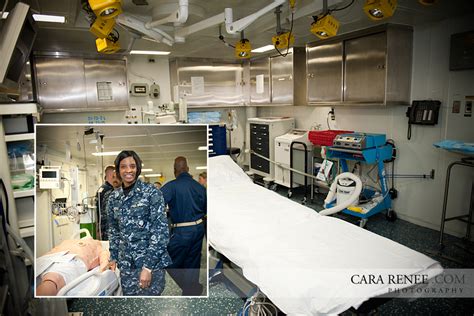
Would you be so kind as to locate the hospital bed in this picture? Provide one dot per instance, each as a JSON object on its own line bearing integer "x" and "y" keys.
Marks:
{"x": 92, "y": 283}
{"x": 305, "y": 263}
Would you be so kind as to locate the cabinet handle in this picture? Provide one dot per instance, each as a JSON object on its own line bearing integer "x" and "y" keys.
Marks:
{"x": 311, "y": 75}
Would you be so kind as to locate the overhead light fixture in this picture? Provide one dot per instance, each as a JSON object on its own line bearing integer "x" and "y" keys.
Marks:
{"x": 43, "y": 18}
{"x": 380, "y": 9}
{"x": 148, "y": 52}
{"x": 325, "y": 26}
{"x": 106, "y": 9}
{"x": 202, "y": 148}
{"x": 153, "y": 175}
{"x": 49, "y": 18}
{"x": 263, "y": 49}
{"x": 147, "y": 170}
{"x": 107, "y": 153}
{"x": 282, "y": 41}
{"x": 243, "y": 49}
{"x": 201, "y": 168}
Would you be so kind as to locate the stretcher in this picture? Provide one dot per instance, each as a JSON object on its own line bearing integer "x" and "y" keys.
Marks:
{"x": 305, "y": 263}
{"x": 92, "y": 283}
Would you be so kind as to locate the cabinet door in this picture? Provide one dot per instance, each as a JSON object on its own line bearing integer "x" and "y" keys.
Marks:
{"x": 365, "y": 73}
{"x": 61, "y": 83}
{"x": 324, "y": 66}
{"x": 282, "y": 79}
{"x": 106, "y": 84}
{"x": 260, "y": 81}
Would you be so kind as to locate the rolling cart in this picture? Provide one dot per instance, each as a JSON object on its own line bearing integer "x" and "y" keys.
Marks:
{"x": 369, "y": 149}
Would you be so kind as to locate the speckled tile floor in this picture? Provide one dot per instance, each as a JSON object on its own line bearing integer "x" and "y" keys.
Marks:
{"x": 222, "y": 301}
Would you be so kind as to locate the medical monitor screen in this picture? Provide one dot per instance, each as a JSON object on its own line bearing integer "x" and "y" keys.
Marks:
{"x": 49, "y": 174}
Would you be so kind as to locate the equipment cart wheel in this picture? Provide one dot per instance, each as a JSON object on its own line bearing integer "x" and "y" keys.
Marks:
{"x": 274, "y": 187}
{"x": 391, "y": 215}
{"x": 362, "y": 222}
{"x": 289, "y": 194}
{"x": 304, "y": 201}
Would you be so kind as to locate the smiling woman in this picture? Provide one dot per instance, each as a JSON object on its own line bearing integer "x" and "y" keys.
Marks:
{"x": 138, "y": 230}
{"x": 133, "y": 213}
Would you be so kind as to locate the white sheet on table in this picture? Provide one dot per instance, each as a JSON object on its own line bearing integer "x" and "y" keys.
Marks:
{"x": 301, "y": 260}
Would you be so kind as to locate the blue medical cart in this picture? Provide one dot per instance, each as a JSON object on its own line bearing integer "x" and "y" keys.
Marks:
{"x": 374, "y": 151}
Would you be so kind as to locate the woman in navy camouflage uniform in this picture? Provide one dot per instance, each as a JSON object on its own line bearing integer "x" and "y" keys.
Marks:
{"x": 138, "y": 230}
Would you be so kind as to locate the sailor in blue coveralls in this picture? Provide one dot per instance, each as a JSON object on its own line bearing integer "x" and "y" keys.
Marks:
{"x": 138, "y": 230}
{"x": 187, "y": 203}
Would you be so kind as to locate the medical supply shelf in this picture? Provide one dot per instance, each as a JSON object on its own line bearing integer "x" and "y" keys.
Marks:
{"x": 19, "y": 137}
{"x": 23, "y": 193}
{"x": 21, "y": 202}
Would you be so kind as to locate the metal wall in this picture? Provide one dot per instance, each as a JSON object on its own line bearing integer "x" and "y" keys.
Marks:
{"x": 77, "y": 84}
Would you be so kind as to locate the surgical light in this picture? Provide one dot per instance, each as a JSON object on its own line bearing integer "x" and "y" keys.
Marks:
{"x": 380, "y": 9}
{"x": 106, "y": 9}
{"x": 325, "y": 26}
{"x": 102, "y": 28}
{"x": 282, "y": 41}
{"x": 243, "y": 49}
{"x": 106, "y": 46}
{"x": 263, "y": 49}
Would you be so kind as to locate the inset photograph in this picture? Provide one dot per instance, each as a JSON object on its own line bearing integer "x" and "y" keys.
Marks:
{"x": 121, "y": 210}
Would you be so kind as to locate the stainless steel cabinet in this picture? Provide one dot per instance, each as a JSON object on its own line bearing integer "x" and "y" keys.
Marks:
{"x": 207, "y": 82}
{"x": 77, "y": 84}
{"x": 367, "y": 67}
{"x": 364, "y": 68}
{"x": 105, "y": 84}
{"x": 60, "y": 83}
{"x": 325, "y": 72}
{"x": 260, "y": 81}
{"x": 282, "y": 79}
{"x": 287, "y": 79}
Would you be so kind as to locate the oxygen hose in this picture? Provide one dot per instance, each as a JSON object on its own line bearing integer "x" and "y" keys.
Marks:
{"x": 332, "y": 193}
{"x": 332, "y": 190}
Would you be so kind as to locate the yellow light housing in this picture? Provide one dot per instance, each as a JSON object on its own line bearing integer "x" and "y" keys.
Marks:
{"x": 242, "y": 49}
{"x": 380, "y": 9}
{"x": 325, "y": 27}
{"x": 280, "y": 41}
{"x": 102, "y": 28}
{"x": 106, "y": 46}
{"x": 106, "y": 9}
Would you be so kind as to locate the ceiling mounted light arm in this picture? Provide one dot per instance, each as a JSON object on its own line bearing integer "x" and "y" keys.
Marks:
{"x": 237, "y": 26}
{"x": 131, "y": 22}
{"x": 178, "y": 17}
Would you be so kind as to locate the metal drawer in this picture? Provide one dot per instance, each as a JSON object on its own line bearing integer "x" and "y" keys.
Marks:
{"x": 259, "y": 164}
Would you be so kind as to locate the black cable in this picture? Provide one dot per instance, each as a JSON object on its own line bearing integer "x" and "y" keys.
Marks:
{"x": 289, "y": 39}
{"x": 221, "y": 37}
{"x": 343, "y": 8}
